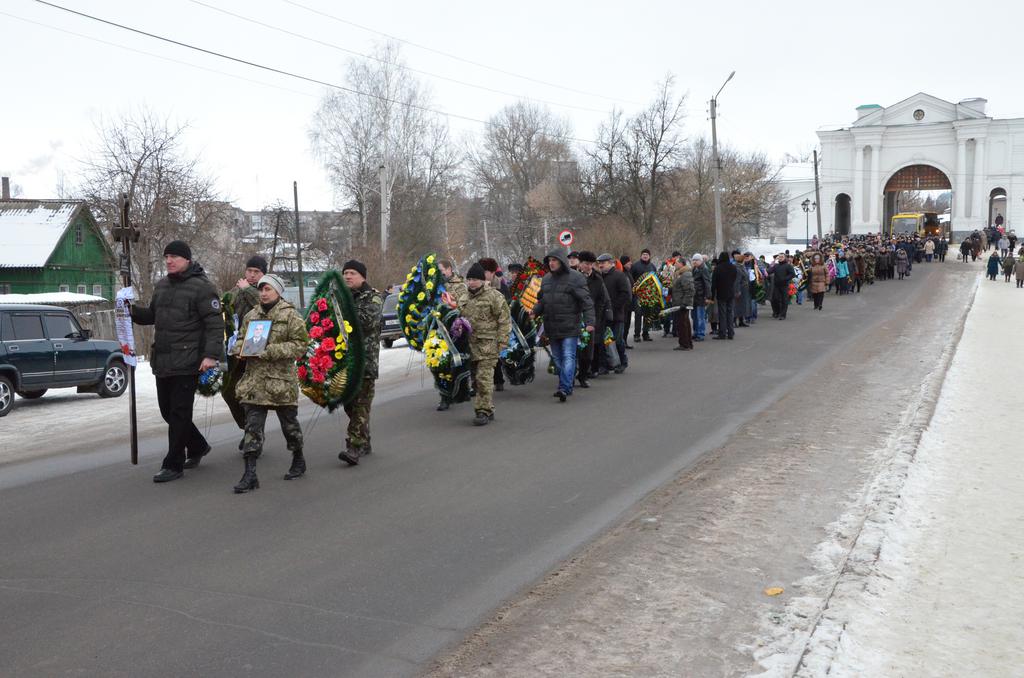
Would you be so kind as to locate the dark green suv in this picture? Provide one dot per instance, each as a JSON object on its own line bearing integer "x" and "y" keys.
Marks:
{"x": 44, "y": 347}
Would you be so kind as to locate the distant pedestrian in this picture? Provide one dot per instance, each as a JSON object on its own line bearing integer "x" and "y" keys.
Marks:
{"x": 902, "y": 263}
{"x": 682, "y": 296}
{"x": 723, "y": 292}
{"x": 992, "y": 268}
{"x": 488, "y": 314}
{"x": 369, "y": 306}
{"x": 1018, "y": 270}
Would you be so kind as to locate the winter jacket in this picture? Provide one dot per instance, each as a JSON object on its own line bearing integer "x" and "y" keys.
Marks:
{"x": 270, "y": 380}
{"x": 842, "y": 268}
{"x": 620, "y": 291}
{"x": 742, "y": 294}
{"x": 488, "y": 314}
{"x": 683, "y": 287}
{"x": 723, "y": 282}
{"x": 701, "y": 285}
{"x": 456, "y": 287}
{"x": 185, "y": 310}
{"x": 817, "y": 278}
{"x": 639, "y": 268}
{"x": 1008, "y": 264}
{"x": 1018, "y": 269}
{"x": 599, "y": 295}
{"x": 784, "y": 274}
{"x": 564, "y": 300}
{"x": 902, "y": 261}
{"x": 369, "y": 307}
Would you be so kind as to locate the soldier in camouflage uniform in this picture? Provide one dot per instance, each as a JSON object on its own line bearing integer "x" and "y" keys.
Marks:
{"x": 869, "y": 265}
{"x": 270, "y": 381}
{"x": 488, "y": 313}
{"x": 242, "y": 299}
{"x": 369, "y": 304}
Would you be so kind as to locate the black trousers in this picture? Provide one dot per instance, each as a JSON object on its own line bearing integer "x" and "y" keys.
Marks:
{"x": 176, "y": 396}
{"x": 818, "y": 297}
{"x": 725, "y": 317}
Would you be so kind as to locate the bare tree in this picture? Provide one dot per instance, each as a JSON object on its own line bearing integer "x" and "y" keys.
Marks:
{"x": 142, "y": 154}
{"x": 386, "y": 128}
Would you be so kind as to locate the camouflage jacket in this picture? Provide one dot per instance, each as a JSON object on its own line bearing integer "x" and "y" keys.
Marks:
{"x": 487, "y": 311}
{"x": 242, "y": 301}
{"x": 369, "y": 305}
{"x": 457, "y": 288}
{"x": 270, "y": 379}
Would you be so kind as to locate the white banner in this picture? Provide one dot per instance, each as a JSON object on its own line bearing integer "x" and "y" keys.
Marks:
{"x": 123, "y": 324}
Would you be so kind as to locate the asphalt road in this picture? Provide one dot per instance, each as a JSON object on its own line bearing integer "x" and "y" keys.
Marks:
{"x": 372, "y": 571}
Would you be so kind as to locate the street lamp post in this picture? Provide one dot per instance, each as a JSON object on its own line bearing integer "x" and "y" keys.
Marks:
{"x": 808, "y": 208}
{"x": 719, "y": 244}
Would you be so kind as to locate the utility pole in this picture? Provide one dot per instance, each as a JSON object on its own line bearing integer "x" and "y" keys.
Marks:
{"x": 298, "y": 249}
{"x": 546, "y": 241}
{"x": 817, "y": 193}
{"x": 487, "y": 241}
{"x": 385, "y": 208}
{"x": 126, "y": 233}
{"x": 716, "y": 168}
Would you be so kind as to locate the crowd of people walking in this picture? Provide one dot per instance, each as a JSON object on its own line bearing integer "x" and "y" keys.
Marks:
{"x": 586, "y": 310}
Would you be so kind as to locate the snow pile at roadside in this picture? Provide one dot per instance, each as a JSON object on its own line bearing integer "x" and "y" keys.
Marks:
{"x": 922, "y": 575}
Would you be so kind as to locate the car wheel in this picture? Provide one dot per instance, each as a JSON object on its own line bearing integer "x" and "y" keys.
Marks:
{"x": 388, "y": 343}
{"x": 115, "y": 380}
{"x": 6, "y": 396}
{"x": 32, "y": 395}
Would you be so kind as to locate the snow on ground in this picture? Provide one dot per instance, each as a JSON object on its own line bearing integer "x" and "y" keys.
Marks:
{"x": 60, "y": 420}
{"x": 934, "y": 584}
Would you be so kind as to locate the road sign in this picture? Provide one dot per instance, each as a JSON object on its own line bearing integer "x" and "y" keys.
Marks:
{"x": 565, "y": 237}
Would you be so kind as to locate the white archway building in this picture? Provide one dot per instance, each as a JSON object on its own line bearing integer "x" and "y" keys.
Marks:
{"x": 977, "y": 155}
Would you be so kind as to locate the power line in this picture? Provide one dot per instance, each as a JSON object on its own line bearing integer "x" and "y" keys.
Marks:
{"x": 157, "y": 56}
{"x": 454, "y": 56}
{"x": 289, "y": 74}
{"x": 324, "y": 43}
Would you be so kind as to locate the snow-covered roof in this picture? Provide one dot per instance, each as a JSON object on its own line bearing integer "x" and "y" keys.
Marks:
{"x": 51, "y": 299}
{"x": 31, "y": 229}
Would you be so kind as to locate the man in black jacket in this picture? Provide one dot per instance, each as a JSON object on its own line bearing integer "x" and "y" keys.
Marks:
{"x": 620, "y": 292}
{"x": 783, "y": 274}
{"x": 565, "y": 303}
{"x": 723, "y": 291}
{"x": 590, "y": 357}
{"x": 189, "y": 340}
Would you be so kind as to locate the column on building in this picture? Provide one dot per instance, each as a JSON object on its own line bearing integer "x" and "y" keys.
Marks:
{"x": 874, "y": 189}
{"x": 858, "y": 183}
{"x": 960, "y": 193}
{"x": 980, "y": 199}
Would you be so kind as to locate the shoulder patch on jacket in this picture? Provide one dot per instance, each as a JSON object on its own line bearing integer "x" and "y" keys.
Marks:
{"x": 215, "y": 303}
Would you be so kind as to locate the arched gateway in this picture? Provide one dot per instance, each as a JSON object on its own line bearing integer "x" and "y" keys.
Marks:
{"x": 922, "y": 143}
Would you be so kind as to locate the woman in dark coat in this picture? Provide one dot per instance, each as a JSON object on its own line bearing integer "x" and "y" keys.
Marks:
{"x": 993, "y": 265}
{"x": 902, "y": 262}
{"x": 723, "y": 292}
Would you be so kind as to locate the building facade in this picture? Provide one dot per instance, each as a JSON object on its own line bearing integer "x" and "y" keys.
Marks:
{"x": 922, "y": 143}
{"x": 53, "y": 246}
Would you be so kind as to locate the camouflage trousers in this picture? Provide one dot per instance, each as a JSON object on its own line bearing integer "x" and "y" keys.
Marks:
{"x": 358, "y": 412}
{"x": 483, "y": 383}
{"x": 256, "y": 421}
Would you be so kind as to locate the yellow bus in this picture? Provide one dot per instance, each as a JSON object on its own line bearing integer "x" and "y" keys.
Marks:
{"x": 924, "y": 224}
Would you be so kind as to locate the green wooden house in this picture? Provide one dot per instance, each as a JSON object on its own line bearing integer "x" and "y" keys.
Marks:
{"x": 53, "y": 246}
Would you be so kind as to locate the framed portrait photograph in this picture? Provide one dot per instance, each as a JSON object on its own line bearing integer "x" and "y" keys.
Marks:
{"x": 256, "y": 337}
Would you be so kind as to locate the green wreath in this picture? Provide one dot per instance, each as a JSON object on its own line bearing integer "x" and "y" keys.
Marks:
{"x": 331, "y": 372}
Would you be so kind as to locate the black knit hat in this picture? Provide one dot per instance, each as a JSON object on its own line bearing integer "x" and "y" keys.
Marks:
{"x": 357, "y": 266}
{"x": 178, "y": 248}
{"x": 573, "y": 255}
{"x": 257, "y": 262}
{"x": 476, "y": 272}
{"x": 587, "y": 255}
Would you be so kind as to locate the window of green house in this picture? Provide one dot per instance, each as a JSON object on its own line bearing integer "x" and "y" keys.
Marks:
{"x": 79, "y": 235}
{"x": 97, "y": 290}
{"x": 64, "y": 288}
{"x": 81, "y": 289}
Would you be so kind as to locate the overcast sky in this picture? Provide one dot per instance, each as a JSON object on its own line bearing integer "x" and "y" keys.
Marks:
{"x": 799, "y": 66}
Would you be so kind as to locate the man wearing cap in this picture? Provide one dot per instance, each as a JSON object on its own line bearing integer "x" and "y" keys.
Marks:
{"x": 590, "y": 356}
{"x": 493, "y": 278}
{"x": 488, "y": 314}
{"x": 701, "y": 295}
{"x": 369, "y": 306}
{"x": 574, "y": 260}
{"x": 188, "y": 340}
{"x": 641, "y": 329}
{"x": 269, "y": 380}
{"x": 620, "y": 294}
{"x": 242, "y": 299}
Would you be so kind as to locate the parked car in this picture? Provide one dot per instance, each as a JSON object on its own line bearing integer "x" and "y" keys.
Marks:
{"x": 390, "y": 329}
{"x": 44, "y": 347}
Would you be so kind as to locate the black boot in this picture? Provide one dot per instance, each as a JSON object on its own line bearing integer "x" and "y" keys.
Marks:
{"x": 298, "y": 467}
{"x": 482, "y": 419}
{"x": 249, "y": 480}
{"x": 443, "y": 405}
